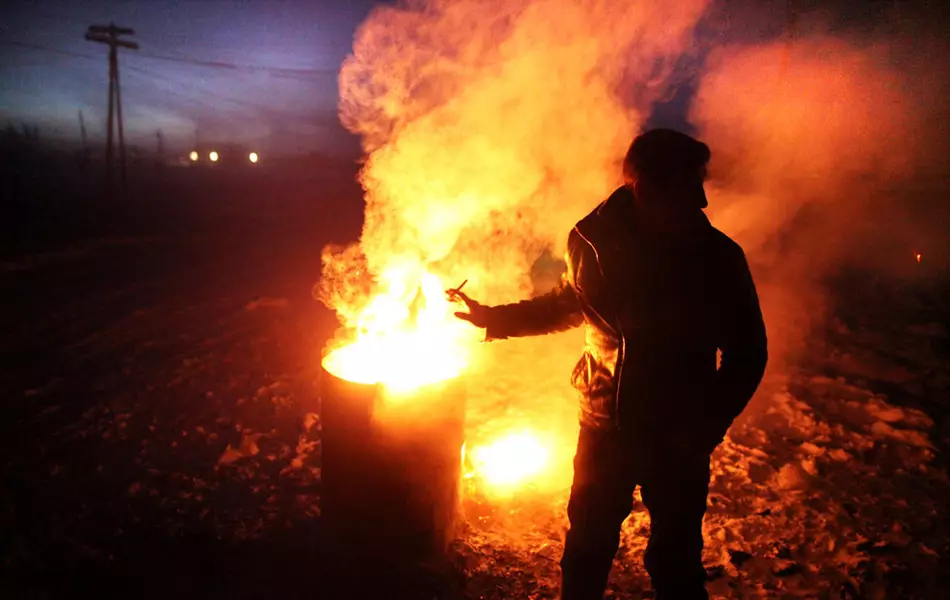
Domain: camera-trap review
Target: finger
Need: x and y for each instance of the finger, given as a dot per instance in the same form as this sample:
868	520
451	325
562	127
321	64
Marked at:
468	301
464	316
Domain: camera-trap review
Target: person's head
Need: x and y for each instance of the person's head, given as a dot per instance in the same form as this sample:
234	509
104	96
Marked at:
666	169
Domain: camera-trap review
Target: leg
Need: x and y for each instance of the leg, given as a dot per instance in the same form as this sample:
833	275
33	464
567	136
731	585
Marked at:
601	498
675	495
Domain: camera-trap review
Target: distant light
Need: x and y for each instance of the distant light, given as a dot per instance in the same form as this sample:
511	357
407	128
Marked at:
193	155
918	258
213	156
252	157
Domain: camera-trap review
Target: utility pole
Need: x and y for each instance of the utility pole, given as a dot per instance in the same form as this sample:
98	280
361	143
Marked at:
109	34
84	151
82	131
160	150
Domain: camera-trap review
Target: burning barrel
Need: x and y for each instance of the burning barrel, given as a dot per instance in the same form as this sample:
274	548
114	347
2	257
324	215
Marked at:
391	468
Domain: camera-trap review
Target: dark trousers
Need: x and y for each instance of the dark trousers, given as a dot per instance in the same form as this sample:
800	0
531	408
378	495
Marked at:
607	468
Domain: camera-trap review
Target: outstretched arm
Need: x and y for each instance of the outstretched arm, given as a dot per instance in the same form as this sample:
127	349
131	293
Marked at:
558	310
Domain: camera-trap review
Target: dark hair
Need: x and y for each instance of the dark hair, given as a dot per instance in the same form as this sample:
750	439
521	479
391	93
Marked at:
663	156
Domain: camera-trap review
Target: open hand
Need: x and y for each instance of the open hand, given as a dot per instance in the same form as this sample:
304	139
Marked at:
477	313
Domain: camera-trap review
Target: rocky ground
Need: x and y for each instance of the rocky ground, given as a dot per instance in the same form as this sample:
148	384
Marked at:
161	433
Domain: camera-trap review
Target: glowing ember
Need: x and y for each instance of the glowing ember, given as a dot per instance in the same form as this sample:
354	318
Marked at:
918	258
511	462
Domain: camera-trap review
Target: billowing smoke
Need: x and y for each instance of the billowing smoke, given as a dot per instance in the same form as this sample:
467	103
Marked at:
490	127
812	141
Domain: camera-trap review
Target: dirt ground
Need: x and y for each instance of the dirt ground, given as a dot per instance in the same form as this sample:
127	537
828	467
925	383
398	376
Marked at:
160	422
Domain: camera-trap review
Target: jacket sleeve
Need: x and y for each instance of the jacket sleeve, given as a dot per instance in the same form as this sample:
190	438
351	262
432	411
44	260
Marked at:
743	344
558	310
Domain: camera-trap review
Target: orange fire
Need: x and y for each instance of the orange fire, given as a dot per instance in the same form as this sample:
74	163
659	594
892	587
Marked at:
405	347
517	459
402	348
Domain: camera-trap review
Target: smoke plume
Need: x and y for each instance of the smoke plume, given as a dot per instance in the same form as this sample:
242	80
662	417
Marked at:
811	141
490	127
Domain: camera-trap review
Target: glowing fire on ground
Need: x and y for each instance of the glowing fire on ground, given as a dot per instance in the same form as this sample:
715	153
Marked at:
514	460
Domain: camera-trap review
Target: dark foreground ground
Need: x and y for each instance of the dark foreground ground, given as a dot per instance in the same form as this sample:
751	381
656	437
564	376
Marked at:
140	340
159	425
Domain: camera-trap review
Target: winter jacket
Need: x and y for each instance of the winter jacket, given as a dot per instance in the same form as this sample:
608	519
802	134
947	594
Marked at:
656	312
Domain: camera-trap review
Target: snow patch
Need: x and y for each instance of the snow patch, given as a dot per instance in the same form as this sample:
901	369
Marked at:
247	448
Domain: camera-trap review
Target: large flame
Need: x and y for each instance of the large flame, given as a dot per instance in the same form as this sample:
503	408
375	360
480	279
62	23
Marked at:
400	345
490	128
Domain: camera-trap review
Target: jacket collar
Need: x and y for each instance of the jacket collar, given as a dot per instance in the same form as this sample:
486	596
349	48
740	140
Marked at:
618	215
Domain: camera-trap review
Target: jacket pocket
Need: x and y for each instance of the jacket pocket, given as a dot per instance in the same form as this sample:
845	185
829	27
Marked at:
596	384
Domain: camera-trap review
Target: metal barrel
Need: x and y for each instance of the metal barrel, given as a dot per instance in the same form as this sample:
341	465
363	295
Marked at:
391	470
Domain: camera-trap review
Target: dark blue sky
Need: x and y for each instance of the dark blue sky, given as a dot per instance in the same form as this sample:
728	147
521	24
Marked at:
49	72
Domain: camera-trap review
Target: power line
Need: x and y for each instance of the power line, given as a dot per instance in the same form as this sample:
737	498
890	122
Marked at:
279	71
204	94
53	50
158	76
290	73
199	97
196	102
133	68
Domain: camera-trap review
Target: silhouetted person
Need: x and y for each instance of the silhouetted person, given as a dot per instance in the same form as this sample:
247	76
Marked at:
660	291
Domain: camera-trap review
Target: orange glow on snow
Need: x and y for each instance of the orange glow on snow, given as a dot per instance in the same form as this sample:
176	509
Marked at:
512	461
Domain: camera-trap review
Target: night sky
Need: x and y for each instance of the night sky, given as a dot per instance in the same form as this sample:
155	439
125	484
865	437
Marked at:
49	71
273	82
